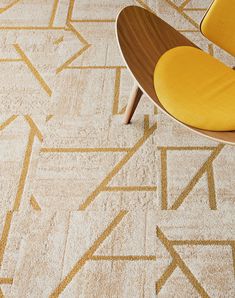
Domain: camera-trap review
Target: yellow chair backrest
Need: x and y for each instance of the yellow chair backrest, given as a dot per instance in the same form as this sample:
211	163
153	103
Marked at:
218	25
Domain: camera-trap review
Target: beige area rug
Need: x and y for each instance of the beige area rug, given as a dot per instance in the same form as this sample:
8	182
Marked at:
90	207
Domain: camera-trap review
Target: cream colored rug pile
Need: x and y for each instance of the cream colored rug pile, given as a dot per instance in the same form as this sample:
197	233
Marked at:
90	207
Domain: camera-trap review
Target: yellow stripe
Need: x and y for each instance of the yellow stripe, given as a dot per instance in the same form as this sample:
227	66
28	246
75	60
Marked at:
80	150
116	169
71	59
30	28
88	254
70	11
202	242
180	263
24	171
59	40
34	204
33	70
162	280
10	60
34	127
5	233
7	122
55	5
196	177
49	117
123	258
181	7
6	280
8	6
182	13
130	188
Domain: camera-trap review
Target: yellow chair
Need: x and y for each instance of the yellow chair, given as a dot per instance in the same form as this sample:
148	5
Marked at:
218	24
188	84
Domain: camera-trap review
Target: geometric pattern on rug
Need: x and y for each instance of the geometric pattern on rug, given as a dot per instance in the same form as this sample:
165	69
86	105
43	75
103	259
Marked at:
90	207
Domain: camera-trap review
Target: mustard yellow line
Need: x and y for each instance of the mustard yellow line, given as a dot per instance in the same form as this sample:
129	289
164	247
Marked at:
116	169
77	33
162	280
88	254
10	60
24	171
70	11
59	40
195	9
30	28
34	204
203	242
185	30
70	60
196	177
34	127
7	122
6	280
193	148
181	7
146	123
5	233
180	263
172	4
130	188
33	70
211	188
80	150
9	6
123	258
49	117
55	5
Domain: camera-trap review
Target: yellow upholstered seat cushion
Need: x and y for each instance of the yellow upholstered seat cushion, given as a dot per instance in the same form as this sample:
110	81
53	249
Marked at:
196	88
218	24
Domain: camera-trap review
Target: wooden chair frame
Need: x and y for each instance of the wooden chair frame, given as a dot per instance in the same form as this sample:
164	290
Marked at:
143	38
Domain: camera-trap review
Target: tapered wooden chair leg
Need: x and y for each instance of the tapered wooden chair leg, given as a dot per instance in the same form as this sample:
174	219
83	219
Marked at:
133	101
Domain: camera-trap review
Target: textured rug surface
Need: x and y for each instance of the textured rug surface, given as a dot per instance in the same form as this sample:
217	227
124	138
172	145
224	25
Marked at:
90	207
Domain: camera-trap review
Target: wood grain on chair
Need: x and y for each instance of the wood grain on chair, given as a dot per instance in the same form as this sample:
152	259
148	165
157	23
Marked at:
143	38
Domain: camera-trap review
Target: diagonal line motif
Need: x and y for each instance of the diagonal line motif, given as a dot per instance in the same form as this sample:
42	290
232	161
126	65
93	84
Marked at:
7	122
58	38
5	233
55	5
24	172
88	254
162	280
33	70
205	168
117	168
10	5
180	263
34	204
188	18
